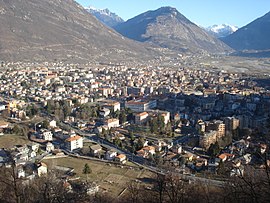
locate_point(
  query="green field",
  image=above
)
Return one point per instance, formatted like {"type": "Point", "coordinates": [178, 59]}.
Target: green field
{"type": "Point", "coordinates": [112, 179]}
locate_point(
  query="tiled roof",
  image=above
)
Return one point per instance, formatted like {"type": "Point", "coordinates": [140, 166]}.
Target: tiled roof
{"type": "Point", "coordinates": [70, 139]}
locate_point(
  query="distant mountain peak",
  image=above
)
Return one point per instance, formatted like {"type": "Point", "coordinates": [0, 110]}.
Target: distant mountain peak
{"type": "Point", "coordinates": [105, 16]}
{"type": "Point", "coordinates": [221, 30]}
{"type": "Point", "coordinates": [169, 11]}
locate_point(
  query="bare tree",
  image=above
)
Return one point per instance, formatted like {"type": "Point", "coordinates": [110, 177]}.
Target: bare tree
{"type": "Point", "coordinates": [10, 184]}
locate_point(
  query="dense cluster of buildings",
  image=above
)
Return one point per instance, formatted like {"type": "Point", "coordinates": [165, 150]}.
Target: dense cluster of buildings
{"type": "Point", "coordinates": [212, 104]}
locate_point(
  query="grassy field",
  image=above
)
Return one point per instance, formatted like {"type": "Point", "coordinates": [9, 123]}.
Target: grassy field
{"type": "Point", "coordinates": [111, 178]}
{"type": "Point", "coordinates": [9, 140]}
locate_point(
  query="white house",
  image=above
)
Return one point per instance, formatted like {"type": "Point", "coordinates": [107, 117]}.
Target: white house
{"type": "Point", "coordinates": [95, 149]}
{"type": "Point", "coordinates": [177, 149]}
{"type": "Point", "coordinates": [32, 154]}
{"type": "Point", "coordinates": [112, 123]}
{"type": "Point", "coordinates": [74, 142]}
{"type": "Point", "coordinates": [33, 146]}
{"type": "Point", "coordinates": [52, 124]}
{"type": "Point", "coordinates": [42, 169]}
{"type": "Point", "coordinates": [20, 172]}
{"type": "Point", "coordinates": [2, 107]}
{"type": "Point", "coordinates": [166, 116]}
{"type": "Point", "coordinates": [104, 112]}
{"type": "Point", "coordinates": [111, 104]}
{"type": "Point", "coordinates": [141, 118]}
{"type": "Point", "coordinates": [49, 147]}
{"type": "Point", "coordinates": [111, 154]}
{"type": "Point", "coordinates": [46, 135]}
{"type": "Point", "coordinates": [121, 158]}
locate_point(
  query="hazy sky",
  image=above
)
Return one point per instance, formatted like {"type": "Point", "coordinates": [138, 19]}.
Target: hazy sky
{"type": "Point", "coordinates": [201, 12]}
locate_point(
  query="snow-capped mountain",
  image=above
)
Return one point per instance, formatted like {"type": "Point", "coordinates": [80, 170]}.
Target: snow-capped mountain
{"type": "Point", "coordinates": [105, 16]}
{"type": "Point", "coordinates": [222, 30]}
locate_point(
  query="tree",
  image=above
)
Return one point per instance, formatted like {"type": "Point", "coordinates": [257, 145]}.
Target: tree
{"type": "Point", "coordinates": [253, 186]}
{"type": "Point", "coordinates": [50, 106]}
{"type": "Point", "coordinates": [11, 185]}
{"type": "Point", "coordinates": [122, 117]}
{"type": "Point", "coordinates": [117, 142]}
{"type": "Point", "coordinates": [45, 124]}
{"type": "Point", "coordinates": [160, 123]}
{"type": "Point", "coordinates": [116, 114]}
{"type": "Point", "coordinates": [140, 143]}
{"type": "Point", "coordinates": [153, 125]}
{"type": "Point", "coordinates": [20, 130]}
{"type": "Point", "coordinates": [134, 192]}
{"type": "Point", "coordinates": [160, 186]}
{"type": "Point", "coordinates": [131, 134]}
{"type": "Point", "coordinates": [221, 168]}
{"type": "Point", "coordinates": [66, 110]}
{"type": "Point", "coordinates": [214, 149]}
{"type": "Point", "coordinates": [16, 130]}
{"type": "Point", "coordinates": [31, 110]}
{"type": "Point", "coordinates": [87, 169]}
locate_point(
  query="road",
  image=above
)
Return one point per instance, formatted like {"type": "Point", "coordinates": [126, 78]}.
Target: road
{"type": "Point", "coordinates": [143, 162]}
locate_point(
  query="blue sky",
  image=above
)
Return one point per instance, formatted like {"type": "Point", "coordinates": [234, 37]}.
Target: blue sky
{"type": "Point", "coordinates": [201, 12]}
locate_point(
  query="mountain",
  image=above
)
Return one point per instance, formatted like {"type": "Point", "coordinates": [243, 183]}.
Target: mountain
{"type": "Point", "coordinates": [39, 30]}
{"type": "Point", "coordinates": [254, 36]}
{"type": "Point", "coordinates": [222, 30]}
{"type": "Point", "coordinates": [168, 28]}
{"type": "Point", "coordinates": [105, 16]}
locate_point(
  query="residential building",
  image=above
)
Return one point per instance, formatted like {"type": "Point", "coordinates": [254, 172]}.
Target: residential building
{"type": "Point", "coordinates": [141, 118]}
{"type": "Point", "coordinates": [104, 112]}
{"type": "Point", "coordinates": [112, 123]}
{"type": "Point", "coordinates": [231, 123]}
{"type": "Point", "coordinates": [42, 169]}
{"type": "Point", "coordinates": [52, 124]}
{"type": "Point", "coordinates": [121, 158]}
{"type": "Point", "coordinates": [207, 139]}
{"type": "Point", "coordinates": [111, 154]}
{"type": "Point", "coordinates": [95, 149]}
{"type": "Point", "coordinates": [74, 142]}
{"type": "Point", "coordinates": [140, 106]}
{"type": "Point", "coordinates": [46, 135]}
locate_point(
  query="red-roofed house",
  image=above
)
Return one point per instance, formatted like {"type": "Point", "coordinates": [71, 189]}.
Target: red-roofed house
{"type": "Point", "coordinates": [145, 151]}
{"type": "Point", "coordinates": [223, 157]}
{"type": "Point", "coordinates": [121, 158]}
{"type": "Point", "coordinates": [74, 142]}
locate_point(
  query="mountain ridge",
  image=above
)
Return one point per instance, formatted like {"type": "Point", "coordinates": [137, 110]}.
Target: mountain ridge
{"type": "Point", "coordinates": [61, 30]}
{"type": "Point", "coordinates": [222, 30]}
{"type": "Point", "coordinates": [253, 36]}
{"type": "Point", "coordinates": [105, 16]}
{"type": "Point", "coordinates": [168, 28]}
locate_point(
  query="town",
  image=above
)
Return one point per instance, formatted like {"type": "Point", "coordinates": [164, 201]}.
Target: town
{"type": "Point", "coordinates": [202, 124]}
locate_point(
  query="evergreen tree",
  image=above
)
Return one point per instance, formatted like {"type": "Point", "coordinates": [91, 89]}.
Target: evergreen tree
{"type": "Point", "coordinates": [140, 143]}
{"type": "Point", "coordinates": [214, 149]}
{"type": "Point", "coordinates": [122, 117]}
{"type": "Point", "coordinates": [153, 125]}
{"type": "Point", "coordinates": [87, 169]}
